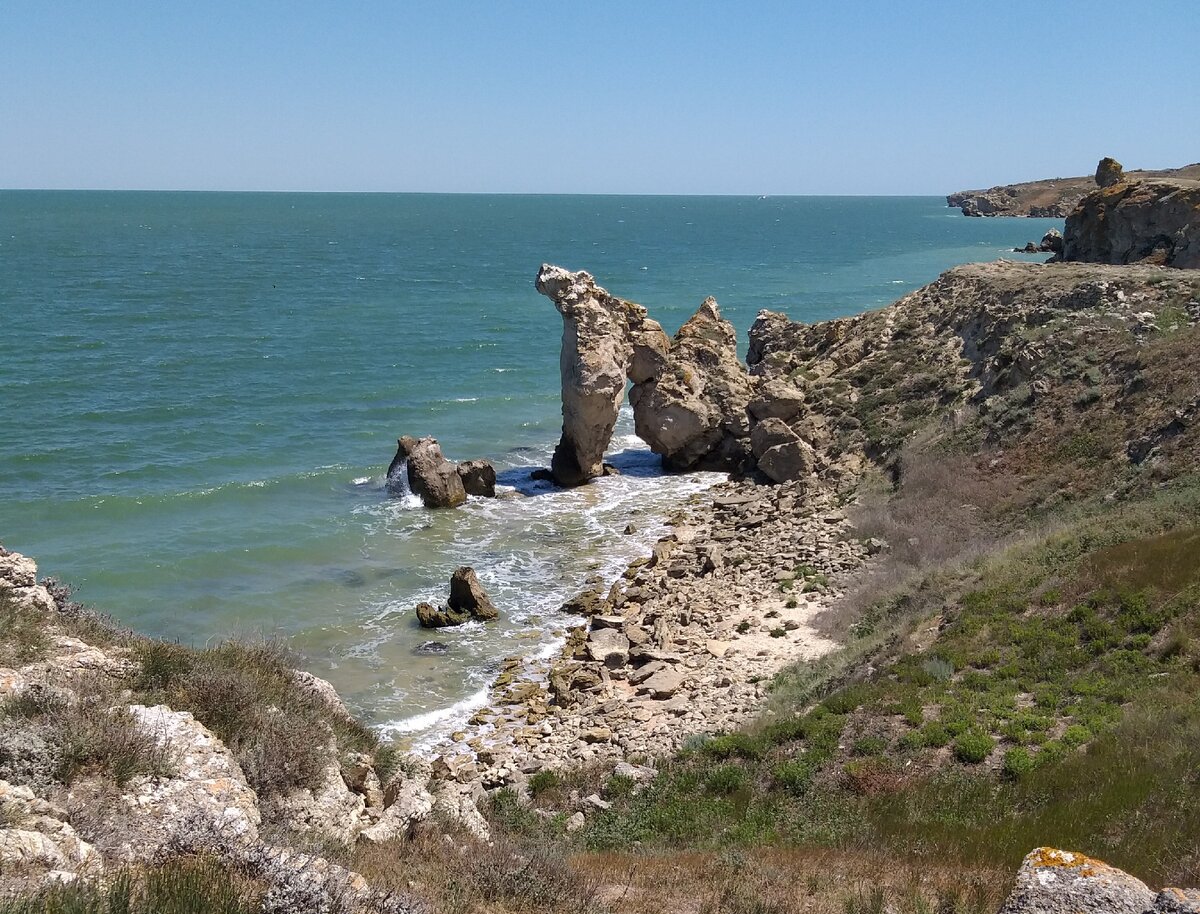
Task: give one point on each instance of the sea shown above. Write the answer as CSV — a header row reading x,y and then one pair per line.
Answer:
x,y
200,394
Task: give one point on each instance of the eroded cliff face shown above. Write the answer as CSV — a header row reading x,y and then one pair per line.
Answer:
x,y
1015,347
1130,221
689,394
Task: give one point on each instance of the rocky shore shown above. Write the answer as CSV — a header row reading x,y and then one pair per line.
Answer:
x,y
1048,199
120,750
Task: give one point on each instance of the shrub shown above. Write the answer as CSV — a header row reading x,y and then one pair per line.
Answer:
x,y
543,781
794,776
1018,762
734,745
184,886
934,734
1075,736
725,779
870,745
973,746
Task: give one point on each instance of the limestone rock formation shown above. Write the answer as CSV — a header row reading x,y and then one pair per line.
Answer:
x,y
597,350
1136,221
689,394
1053,881
428,473
693,412
468,601
1050,199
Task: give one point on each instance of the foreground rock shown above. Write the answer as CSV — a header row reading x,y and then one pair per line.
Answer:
x,y
468,601
1135,220
1053,881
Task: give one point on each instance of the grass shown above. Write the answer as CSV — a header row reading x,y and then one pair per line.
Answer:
x,y
183,886
22,634
90,732
1054,704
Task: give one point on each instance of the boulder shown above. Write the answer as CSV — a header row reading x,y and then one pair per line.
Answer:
x,y
478,478
1052,242
420,464
777,399
1052,881
467,595
770,433
1109,172
787,462
468,600
431,616
608,646
693,412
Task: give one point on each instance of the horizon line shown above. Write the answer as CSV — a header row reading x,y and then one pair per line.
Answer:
x,y
434,193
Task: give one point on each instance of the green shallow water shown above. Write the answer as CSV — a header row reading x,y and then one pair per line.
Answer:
x,y
199,394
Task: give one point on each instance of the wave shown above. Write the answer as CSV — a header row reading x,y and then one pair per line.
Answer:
x,y
440,719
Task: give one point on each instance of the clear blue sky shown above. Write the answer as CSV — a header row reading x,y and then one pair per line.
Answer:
x,y
592,97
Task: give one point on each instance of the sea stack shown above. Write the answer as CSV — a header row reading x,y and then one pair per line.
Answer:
x,y
597,349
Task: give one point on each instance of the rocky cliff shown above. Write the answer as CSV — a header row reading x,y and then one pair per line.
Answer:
x,y
1054,198
117,751
1136,220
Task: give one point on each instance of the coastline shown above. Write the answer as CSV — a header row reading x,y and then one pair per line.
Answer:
x,y
683,644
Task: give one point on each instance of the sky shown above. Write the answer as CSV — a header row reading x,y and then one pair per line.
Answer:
x,y
606,96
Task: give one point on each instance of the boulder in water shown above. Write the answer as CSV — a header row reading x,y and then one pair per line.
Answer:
x,y
478,478
468,601
467,595
429,475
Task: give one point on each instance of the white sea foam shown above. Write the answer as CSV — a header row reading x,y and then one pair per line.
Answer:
x,y
440,718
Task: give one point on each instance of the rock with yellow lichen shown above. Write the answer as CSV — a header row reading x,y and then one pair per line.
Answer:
x,y
1053,881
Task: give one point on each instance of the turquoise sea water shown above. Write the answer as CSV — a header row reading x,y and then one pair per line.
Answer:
x,y
199,394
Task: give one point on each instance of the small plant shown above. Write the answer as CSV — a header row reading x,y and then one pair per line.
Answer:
x,y
725,779
544,781
742,627
1075,736
973,746
778,632
938,669
870,745
1018,762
